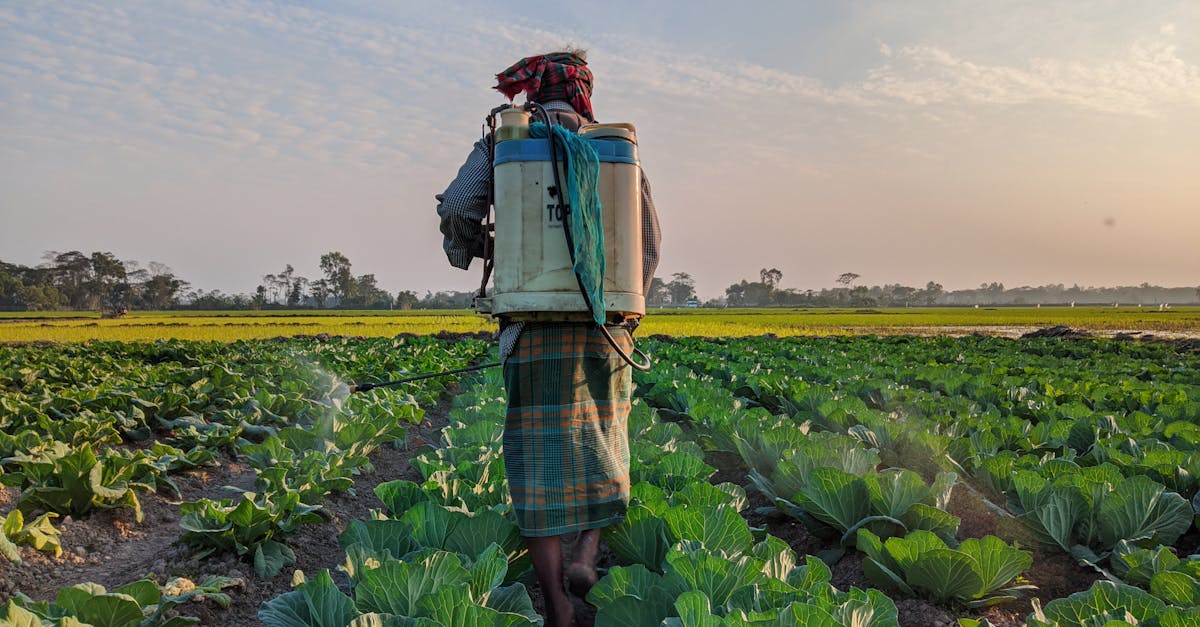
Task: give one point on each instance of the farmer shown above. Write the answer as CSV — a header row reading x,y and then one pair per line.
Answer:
x,y
566,448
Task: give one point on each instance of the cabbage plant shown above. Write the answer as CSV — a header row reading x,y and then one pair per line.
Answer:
x,y
1088,511
1110,603
76,482
978,573
141,603
700,512
428,588
1174,580
832,501
418,521
247,527
699,587
39,534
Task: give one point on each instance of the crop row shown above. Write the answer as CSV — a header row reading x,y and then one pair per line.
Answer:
x,y
92,426
1097,461
690,555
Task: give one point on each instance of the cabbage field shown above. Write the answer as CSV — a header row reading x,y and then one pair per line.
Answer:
x,y
838,480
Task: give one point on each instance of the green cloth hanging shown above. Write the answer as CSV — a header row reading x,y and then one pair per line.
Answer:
x,y
580,168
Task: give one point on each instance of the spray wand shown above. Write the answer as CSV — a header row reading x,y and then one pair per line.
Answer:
x,y
363,387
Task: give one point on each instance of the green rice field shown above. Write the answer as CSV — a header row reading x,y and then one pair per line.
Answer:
x,y
243,325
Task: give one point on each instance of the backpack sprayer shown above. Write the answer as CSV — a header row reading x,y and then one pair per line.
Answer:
x,y
533,254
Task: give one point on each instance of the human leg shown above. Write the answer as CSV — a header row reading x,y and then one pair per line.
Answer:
x,y
586,548
581,572
546,554
566,450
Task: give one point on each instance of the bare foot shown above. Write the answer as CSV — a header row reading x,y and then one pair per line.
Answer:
x,y
560,613
580,579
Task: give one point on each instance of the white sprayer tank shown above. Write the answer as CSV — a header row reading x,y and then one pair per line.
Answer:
x,y
533,274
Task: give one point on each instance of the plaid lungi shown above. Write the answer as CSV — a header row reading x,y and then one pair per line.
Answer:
x,y
566,441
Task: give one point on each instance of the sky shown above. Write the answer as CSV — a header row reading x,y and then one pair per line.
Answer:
x,y
1026,142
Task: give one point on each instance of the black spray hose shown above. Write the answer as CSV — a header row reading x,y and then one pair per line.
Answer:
x,y
363,387
564,201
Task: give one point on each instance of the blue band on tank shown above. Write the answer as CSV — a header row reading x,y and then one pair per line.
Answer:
x,y
610,151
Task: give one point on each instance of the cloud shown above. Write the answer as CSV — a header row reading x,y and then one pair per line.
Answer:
x,y
284,86
305,84
228,78
1143,81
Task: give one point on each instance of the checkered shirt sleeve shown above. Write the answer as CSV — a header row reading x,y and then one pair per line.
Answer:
x,y
463,207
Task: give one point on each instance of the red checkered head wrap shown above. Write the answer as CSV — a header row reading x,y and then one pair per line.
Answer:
x,y
546,77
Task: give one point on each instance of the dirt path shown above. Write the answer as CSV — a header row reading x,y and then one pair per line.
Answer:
x,y
110,547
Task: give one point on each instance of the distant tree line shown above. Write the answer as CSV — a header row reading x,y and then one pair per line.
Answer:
x,y
766,293
102,282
